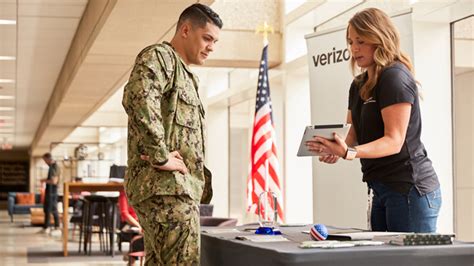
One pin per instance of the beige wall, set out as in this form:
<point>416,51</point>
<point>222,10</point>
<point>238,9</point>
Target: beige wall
<point>463,156</point>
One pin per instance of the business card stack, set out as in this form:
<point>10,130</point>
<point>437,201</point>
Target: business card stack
<point>422,239</point>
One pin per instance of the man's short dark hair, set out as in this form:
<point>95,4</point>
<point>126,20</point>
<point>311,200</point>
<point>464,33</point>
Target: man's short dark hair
<point>199,15</point>
<point>47,156</point>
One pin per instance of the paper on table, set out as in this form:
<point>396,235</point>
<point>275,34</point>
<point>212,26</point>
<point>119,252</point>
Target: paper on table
<point>366,243</point>
<point>116,180</point>
<point>293,225</point>
<point>368,235</point>
<point>325,244</point>
<point>220,231</point>
<point>332,231</point>
<point>338,244</point>
<point>262,238</point>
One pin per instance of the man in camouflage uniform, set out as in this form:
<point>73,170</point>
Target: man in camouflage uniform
<point>166,174</point>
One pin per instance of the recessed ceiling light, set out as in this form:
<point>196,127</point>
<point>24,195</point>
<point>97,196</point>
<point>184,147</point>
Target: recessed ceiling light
<point>6,97</point>
<point>7,58</point>
<point>7,81</point>
<point>7,108</point>
<point>7,22</point>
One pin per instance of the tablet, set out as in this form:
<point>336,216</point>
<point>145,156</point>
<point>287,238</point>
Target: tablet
<point>325,131</point>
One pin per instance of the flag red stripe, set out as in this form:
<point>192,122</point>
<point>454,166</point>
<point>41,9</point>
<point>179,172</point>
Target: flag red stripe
<point>261,141</point>
<point>262,160</point>
<point>259,179</point>
<point>274,176</point>
<point>266,118</point>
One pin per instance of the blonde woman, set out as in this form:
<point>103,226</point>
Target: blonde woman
<point>385,113</point>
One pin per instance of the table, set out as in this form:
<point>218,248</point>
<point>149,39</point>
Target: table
<point>224,249</point>
<point>79,187</point>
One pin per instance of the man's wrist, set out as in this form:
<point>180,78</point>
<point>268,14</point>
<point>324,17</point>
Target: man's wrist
<point>159,164</point>
<point>162,162</point>
<point>160,159</point>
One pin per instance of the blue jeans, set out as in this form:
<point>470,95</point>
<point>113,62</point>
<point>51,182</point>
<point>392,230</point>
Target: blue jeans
<point>393,211</point>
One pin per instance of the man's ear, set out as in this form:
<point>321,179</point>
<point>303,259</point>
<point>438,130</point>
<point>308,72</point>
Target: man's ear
<point>185,29</point>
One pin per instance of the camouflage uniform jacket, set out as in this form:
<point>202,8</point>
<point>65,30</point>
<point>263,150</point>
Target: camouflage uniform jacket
<point>165,114</point>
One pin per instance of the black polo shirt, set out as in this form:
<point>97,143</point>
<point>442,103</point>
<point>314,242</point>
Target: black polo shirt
<point>411,166</point>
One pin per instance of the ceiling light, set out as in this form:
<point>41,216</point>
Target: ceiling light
<point>7,108</point>
<point>7,22</point>
<point>7,81</point>
<point>7,58</point>
<point>6,97</point>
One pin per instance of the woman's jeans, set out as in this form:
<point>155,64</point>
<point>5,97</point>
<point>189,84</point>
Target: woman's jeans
<point>396,212</point>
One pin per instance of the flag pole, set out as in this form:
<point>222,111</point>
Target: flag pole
<point>266,190</point>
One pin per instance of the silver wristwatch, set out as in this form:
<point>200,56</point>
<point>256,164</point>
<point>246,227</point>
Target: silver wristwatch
<point>350,153</point>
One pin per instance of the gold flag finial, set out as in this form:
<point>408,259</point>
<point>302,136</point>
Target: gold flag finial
<point>265,29</point>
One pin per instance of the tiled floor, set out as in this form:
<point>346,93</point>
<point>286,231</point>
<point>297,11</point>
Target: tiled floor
<point>20,244</point>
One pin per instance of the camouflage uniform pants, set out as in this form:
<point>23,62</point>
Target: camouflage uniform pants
<point>171,230</point>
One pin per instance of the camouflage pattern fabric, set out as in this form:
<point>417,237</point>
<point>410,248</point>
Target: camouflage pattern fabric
<point>171,234</point>
<point>165,114</point>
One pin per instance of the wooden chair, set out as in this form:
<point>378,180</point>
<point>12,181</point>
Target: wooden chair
<point>137,249</point>
<point>140,254</point>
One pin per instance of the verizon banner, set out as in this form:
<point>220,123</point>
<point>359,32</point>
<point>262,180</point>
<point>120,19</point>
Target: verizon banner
<point>339,195</point>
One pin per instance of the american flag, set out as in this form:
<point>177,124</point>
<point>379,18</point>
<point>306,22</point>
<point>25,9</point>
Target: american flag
<point>264,168</point>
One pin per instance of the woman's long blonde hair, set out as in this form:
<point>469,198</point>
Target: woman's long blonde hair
<point>375,27</point>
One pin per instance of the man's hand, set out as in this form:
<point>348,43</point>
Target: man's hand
<point>175,162</point>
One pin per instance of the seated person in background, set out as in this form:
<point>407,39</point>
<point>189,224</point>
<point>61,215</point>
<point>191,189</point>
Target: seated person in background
<point>130,226</point>
<point>127,214</point>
